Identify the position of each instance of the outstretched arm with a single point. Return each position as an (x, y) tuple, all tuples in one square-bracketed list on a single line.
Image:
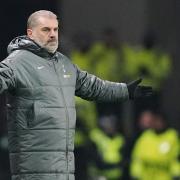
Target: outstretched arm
[(7, 77), (90, 87)]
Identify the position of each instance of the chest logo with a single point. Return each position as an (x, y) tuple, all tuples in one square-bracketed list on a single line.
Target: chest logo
[(67, 75), (40, 67)]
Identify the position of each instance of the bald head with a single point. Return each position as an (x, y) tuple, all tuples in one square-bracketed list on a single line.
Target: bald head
[(33, 19)]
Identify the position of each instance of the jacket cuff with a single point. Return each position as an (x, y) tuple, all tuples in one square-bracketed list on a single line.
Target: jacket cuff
[(123, 92)]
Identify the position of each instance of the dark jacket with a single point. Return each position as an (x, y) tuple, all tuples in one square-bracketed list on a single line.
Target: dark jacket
[(41, 109)]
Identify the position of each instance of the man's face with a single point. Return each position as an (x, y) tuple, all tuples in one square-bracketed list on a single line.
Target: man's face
[(45, 33)]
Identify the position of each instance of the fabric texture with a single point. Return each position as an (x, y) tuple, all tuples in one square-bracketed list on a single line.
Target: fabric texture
[(41, 109)]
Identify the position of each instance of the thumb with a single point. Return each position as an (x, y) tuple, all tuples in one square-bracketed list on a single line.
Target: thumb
[(135, 82), (138, 81), (132, 87)]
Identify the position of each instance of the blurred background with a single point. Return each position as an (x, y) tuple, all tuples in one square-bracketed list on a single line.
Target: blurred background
[(118, 41)]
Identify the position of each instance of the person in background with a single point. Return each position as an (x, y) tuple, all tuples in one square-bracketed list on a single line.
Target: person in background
[(105, 56), (144, 122), (106, 152), (155, 154)]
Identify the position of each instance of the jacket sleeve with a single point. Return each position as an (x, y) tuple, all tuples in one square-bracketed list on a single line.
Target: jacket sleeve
[(90, 87), (7, 77)]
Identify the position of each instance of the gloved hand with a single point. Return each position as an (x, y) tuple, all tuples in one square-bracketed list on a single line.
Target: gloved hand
[(136, 91)]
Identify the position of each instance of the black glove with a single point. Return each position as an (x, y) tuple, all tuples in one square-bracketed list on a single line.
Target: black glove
[(136, 91)]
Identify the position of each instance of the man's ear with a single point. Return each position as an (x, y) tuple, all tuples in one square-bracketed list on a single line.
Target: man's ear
[(29, 33)]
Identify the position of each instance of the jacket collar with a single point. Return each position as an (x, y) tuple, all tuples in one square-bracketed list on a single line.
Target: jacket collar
[(23, 42)]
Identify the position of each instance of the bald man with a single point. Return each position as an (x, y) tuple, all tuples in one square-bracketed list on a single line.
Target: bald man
[(41, 85)]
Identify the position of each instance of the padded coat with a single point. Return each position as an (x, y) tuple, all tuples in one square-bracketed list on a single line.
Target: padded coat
[(41, 109)]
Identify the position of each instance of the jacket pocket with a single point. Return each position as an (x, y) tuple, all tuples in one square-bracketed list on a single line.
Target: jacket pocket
[(31, 115)]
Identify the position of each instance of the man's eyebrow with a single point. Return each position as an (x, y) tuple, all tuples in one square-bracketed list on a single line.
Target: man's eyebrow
[(45, 27)]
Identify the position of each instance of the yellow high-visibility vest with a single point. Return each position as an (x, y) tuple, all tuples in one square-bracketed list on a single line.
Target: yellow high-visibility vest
[(109, 149), (155, 156)]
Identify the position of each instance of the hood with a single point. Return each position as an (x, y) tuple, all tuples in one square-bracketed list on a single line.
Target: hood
[(23, 42)]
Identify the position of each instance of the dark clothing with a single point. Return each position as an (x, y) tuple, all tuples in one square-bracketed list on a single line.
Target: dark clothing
[(41, 109)]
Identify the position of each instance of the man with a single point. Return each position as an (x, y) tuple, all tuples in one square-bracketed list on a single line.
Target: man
[(41, 84)]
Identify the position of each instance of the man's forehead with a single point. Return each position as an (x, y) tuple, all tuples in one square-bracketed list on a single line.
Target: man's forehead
[(47, 21)]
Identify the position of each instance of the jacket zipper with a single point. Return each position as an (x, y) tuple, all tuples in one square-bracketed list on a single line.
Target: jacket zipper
[(67, 123)]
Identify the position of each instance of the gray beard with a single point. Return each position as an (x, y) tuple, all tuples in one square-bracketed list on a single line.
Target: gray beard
[(50, 49)]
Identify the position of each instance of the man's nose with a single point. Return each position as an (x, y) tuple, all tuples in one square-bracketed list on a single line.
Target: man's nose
[(52, 33)]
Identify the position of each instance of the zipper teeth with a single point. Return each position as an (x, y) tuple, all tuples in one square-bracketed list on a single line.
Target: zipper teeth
[(67, 125)]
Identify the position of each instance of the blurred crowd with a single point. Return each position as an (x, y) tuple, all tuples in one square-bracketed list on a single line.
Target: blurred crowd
[(120, 141)]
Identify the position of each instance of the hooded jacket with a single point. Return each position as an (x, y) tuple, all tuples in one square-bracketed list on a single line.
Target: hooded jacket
[(41, 109)]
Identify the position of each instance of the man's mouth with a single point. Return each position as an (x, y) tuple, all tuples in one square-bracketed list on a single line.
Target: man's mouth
[(51, 41)]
